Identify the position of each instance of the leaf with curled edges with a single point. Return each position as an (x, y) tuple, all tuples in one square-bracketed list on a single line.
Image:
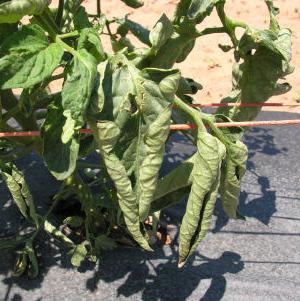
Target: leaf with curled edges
[(107, 136), (266, 56), (90, 41), (200, 9), (14, 10), (20, 192), (155, 139), (161, 32), (27, 58), (136, 29), (139, 103), (203, 195), (232, 172), (167, 186)]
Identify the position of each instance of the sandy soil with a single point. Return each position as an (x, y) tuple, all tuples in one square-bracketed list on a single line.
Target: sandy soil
[(207, 63)]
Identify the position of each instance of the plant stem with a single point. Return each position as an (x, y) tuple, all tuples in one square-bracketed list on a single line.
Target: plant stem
[(60, 12), (10, 104), (208, 119), (98, 8), (211, 31), (69, 35), (229, 24), (66, 46), (43, 219), (192, 112)]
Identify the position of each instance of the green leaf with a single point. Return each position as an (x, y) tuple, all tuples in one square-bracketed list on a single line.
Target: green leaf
[(78, 85), (274, 11), (79, 255), (254, 38), (139, 103), (133, 3), (121, 43), (57, 234), (21, 264), (200, 9), (232, 173), (161, 32), (28, 58), (154, 140), (60, 157), (255, 80), (186, 51), (172, 182), (137, 30), (7, 29), (81, 19), (107, 136), (33, 266), (13, 11), (172, 188), (90, 41), (73, 221), (103, 242), (203, 195), (19, 190)]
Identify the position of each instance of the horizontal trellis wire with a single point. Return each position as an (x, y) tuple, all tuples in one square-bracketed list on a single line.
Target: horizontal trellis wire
[(178, 127)]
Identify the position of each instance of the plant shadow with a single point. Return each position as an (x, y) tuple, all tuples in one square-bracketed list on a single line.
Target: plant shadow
[(155, 276), (164, 281)]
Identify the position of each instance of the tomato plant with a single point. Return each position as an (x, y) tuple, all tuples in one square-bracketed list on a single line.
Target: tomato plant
[(129, 98)]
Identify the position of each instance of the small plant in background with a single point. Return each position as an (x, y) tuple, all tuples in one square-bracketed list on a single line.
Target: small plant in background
[(129, 98)]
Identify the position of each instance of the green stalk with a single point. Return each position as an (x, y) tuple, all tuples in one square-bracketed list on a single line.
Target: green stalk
[(71, 34), (98, 8), (211, 30), (192, 112), (43, 219), (59, 14), (229, 24)]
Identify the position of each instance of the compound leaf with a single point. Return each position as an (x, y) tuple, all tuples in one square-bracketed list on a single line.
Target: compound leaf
[(28, 58)]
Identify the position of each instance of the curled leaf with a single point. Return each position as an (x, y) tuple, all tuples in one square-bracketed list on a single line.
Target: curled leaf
[(20, 192), (155, 140), (202, 198), (79, 254), (107, 136), (161, 32), (232, 172)]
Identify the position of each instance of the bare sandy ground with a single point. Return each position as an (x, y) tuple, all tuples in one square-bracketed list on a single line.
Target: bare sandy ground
[(207, 64)]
